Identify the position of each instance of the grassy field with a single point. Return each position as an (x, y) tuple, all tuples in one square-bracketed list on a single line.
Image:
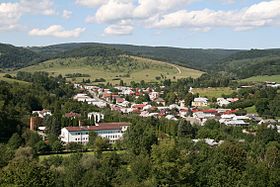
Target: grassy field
[(2, 78), (251, 110), (272, 78), (137, 68), (213, 92)]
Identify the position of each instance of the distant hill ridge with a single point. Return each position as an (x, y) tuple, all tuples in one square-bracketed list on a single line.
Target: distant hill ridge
[(240, 63)]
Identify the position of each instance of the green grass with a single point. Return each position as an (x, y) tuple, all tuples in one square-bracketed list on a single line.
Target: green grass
[(251, 110), (43, 157), (137, 68), (213, 92), (2, 78), (272, 78)]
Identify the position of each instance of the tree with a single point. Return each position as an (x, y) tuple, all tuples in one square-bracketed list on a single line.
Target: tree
[(140, 137), (188, 99), (140, 166), (185, 129), (100, 144), (15, 141), (73, 171), (92, 138), (57, 146)]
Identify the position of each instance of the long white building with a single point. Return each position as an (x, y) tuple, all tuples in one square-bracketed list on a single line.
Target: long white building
[(80, 134)]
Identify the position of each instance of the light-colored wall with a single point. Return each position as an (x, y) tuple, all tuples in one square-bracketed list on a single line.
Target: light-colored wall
[(83, 136)]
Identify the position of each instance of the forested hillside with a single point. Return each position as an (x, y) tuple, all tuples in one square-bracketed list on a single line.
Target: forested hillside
[(252, 63), (237, 63), (14, 57), (201, 59)]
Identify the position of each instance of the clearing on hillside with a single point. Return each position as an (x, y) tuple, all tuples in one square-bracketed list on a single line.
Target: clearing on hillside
[(271, 78), (114, 69)]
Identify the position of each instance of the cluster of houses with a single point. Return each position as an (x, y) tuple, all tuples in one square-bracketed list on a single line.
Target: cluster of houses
[(116, 99), (198, 114)]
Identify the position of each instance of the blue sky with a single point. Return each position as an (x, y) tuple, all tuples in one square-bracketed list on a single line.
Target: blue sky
[(183, 23)]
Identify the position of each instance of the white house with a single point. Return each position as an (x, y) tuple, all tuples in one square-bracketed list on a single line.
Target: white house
[(42, 113), (80, 134), (222, 102), (81, 97), (200, 102)]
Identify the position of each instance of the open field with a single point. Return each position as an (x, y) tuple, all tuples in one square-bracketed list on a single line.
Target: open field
[(272, 78), (2, 78), (136, 69), (212, 92)]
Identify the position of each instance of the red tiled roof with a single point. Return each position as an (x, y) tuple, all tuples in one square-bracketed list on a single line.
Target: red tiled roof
[(209, 111), (139, 106), (230, 111), (101, 126), (107, 95), (120, 100)]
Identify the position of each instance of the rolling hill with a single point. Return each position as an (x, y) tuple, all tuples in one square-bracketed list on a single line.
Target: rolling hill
[(240, 64), (112, 69)]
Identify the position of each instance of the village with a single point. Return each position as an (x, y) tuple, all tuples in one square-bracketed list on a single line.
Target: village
[(153, 105)]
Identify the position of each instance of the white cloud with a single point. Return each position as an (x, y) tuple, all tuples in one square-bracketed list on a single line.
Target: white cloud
[(44, 7), (147, 8), (90, 19), (114, 10), (57, 31), (66, 14), (10, 15), (122, 28), (91, 3), (258, 15)]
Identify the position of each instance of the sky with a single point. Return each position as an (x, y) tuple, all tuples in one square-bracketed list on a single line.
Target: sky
[(231, 24)]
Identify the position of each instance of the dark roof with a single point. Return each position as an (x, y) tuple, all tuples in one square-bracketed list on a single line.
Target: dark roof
[(99, 126)]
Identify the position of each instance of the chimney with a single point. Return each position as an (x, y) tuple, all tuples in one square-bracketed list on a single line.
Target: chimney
[(33, 123)]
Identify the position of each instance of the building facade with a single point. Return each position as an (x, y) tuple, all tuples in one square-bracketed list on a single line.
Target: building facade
[(80, 134)]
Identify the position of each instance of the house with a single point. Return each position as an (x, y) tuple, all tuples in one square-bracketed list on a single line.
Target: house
[(210, 142), (171, 117), (174, 106), (225, 102), (97, 102), (96, 117), (139, 106), (43, 113), (200, 102), (236, 123), (160, 101), (222, 102), (153, 95), (80, 134), (81, 97)]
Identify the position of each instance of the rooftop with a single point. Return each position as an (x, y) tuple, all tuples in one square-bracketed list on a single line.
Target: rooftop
[(99, 126)]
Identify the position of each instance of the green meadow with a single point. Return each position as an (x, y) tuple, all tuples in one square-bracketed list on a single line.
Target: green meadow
[(126, 68)]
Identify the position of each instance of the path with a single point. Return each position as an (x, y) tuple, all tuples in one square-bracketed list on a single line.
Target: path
[(179, 70)]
